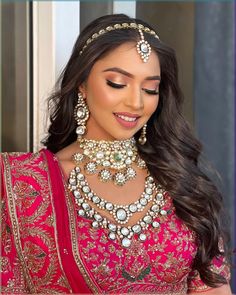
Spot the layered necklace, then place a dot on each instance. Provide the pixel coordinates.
(116, 155)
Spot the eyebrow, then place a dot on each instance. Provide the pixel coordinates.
(123, 72)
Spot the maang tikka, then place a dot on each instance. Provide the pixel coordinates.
(81, 116)
(143, 47)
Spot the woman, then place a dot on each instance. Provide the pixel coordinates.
(116, 203)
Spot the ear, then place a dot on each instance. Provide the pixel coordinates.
(82, 89)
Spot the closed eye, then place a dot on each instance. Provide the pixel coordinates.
(115, 85)
(152, 92)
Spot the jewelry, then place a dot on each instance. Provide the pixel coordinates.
(121, 213)
(123, 233)
(142, 139)
(113, 154)
(117, 155)
(81, 114)
(143, 47)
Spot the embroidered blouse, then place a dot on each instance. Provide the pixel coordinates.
(47, 248)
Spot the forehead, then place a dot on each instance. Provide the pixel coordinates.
(126, 57)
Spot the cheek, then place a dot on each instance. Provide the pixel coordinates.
(151, 105)
(100, 96)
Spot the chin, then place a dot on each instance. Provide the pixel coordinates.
(123, 136)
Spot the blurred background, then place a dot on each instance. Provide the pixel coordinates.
(36, 42)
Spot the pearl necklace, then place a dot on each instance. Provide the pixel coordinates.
(117, 155)
(121, 213)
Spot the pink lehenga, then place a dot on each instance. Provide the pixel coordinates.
(48, 248)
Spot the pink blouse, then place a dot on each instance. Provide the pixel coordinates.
(48, 248)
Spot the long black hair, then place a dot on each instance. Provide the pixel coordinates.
(171, 152)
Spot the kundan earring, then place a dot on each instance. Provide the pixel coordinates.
(142, 139)
(81, 116)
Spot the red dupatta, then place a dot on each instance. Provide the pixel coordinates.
(65, 230)
(37, 255)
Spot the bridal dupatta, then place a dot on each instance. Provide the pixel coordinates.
(36, 239)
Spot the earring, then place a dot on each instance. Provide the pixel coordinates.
(142, 139)
(81, 116)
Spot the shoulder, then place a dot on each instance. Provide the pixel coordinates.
(22, 158)
(16, 161)
(24, 169)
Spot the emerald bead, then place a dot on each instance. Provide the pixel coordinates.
(117, 157)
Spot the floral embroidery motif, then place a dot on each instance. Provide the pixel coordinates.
(160, 265)
(35, 256)
(32, 217)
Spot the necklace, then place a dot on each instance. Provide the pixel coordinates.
(121, 213)
(103, 156)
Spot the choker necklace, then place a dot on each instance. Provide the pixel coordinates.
(103, 156)
(78, 185)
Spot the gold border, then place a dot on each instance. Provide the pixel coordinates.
(55, 223)
(14, 221)
(74, 238)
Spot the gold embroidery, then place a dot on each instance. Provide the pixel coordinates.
(35, 256)
(5, 264)
(34, 237)
(148, 267)
(14, 221)
(17, 283)
(52, 220)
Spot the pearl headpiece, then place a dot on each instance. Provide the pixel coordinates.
(143, 47)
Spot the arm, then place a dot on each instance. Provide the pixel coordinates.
(197, 286)
(223, 290)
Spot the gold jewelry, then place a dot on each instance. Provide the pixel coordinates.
(81, 114)
(142, 139)
(143, 47)
(117, 155)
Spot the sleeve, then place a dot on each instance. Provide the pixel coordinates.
(219, 266)
(12, 279)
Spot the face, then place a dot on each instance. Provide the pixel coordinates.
(121, 93)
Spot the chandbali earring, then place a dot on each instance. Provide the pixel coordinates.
(142, 139)
(81, 116)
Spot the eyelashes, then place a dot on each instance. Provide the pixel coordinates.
(153, 92)
(120, 86)
(115, 85)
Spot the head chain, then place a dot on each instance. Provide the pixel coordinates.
(119, 27)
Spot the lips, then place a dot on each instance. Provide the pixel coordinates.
(127, 120)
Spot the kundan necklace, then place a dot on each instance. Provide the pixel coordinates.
(102, 157)
(120, 155)
(121, 213)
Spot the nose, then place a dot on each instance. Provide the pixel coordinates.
(134, 99)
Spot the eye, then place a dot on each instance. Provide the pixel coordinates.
(152, 92)
(115, 85)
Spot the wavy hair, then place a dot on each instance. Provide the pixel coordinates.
(171, 152)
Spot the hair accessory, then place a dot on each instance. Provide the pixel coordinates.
(142, 139)
(143, 45)
(81, 115)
